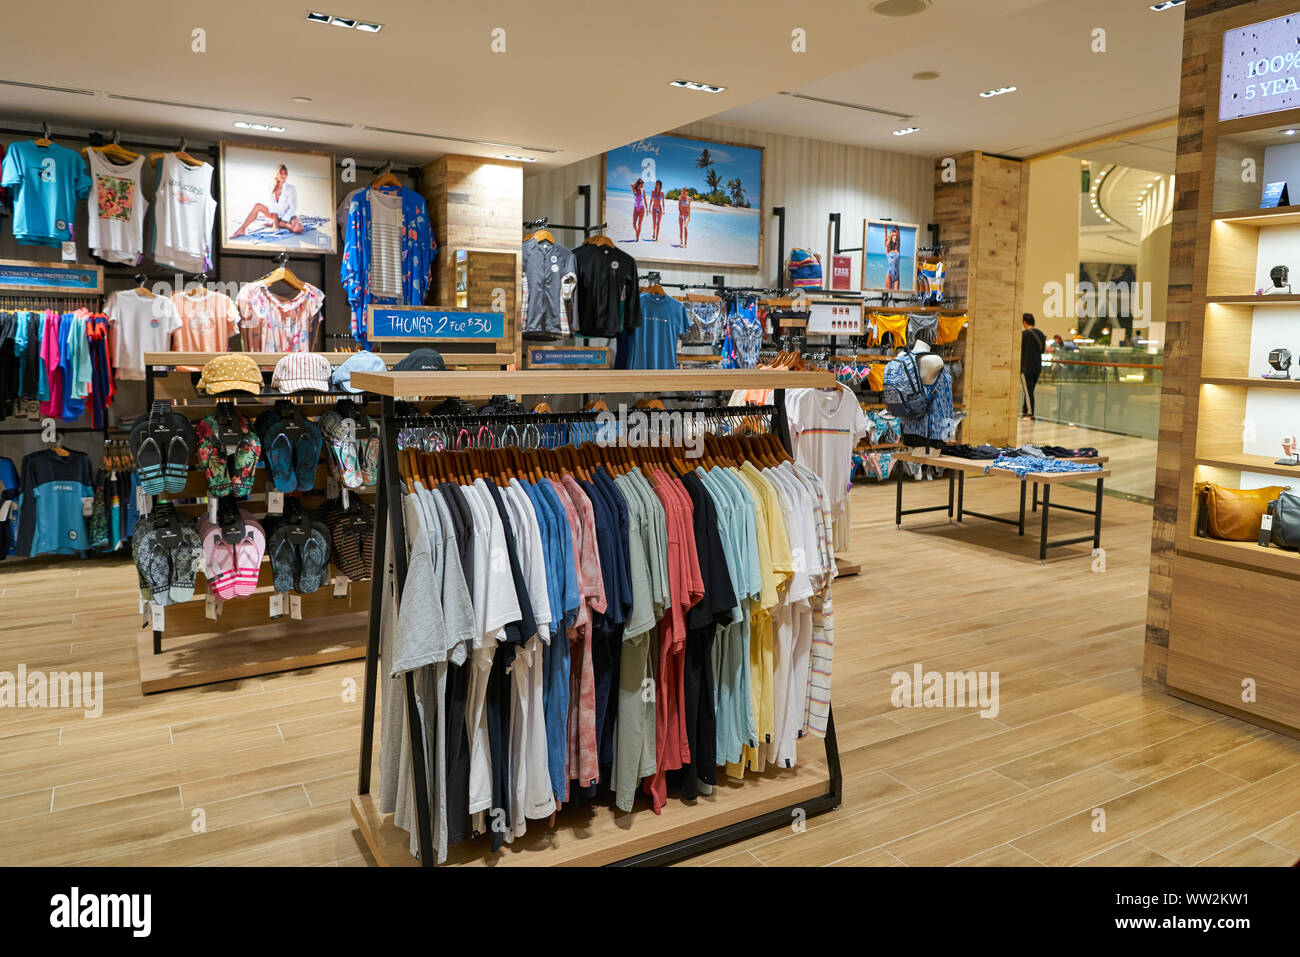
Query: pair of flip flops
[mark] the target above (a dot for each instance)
(233, 570)
(166, 564)
(354, 460)
(228, 474)
(161, 441)
(299, 548)
(291, 462)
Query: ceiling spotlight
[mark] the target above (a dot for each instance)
(346, 22)
(319, 17)
(302, 99)
(1166, 4)
(694, 85)
(926, 75)
(998, 92)
(900, 8)
(262, 127)
(904, 132)
(365, 27)
(1290, 132)
(519, 159)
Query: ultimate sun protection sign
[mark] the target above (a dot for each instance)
(1261, 68)
(407, 323)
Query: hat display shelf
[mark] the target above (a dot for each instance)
(243, 639)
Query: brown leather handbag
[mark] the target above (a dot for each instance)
(1233, 513)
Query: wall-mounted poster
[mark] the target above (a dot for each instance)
(275, 200)
(889, 257)
(677, 199)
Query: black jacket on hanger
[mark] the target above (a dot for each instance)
(606, 281)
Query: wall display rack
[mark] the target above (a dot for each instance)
(731, 813)
(1218, 609)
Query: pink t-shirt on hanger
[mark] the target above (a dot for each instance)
(208, 320)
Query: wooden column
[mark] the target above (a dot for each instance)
(981, 210)
(477, 206)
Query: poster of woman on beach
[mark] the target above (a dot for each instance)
(275, 200)
(676, 199)
(889, 258)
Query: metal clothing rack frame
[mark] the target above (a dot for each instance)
(389, 522)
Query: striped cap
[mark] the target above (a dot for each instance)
(234, 371)
(302, 370)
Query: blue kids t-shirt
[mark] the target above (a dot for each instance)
(653, 344)
(46, 182)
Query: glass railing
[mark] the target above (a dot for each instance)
(1102, 387)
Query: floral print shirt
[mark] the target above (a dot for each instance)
(419, 247)
(271, 323)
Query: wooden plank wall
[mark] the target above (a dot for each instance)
(475, 203)
(1204, 23)
(982, 217)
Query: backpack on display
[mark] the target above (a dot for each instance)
(905, 394)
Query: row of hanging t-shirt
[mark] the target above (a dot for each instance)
(47, 182)
(56, 364)
(535, 616)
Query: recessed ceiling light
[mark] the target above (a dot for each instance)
(900, 8)
(1166, 4)
(345, 22)
(904, 132)
(519, 159)
(263, 127)
(302, 99)
(926, 75)
(998, 92)
(366, 27)
(694, 85)
(319, 17)
(1289, 132)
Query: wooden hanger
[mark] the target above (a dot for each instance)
(543, 236)
(599, 241)
(386, 179)
(140, 286)
(114, 151)
(655, 290)
(282, 273)
(179, 153)
(44, 139)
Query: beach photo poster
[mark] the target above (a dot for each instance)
(888, 257)
(678, 199)
(276, 200)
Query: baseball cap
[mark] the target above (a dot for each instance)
(421, 360)
(302, 370)
(357, 362)
(232, 372)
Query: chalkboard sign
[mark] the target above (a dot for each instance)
(414, 323)
(21, 276)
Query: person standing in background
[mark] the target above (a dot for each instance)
(1032, 344)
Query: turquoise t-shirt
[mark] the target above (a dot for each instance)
(46, 181)
(653, 344)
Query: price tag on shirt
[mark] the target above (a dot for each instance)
(341, 587)
(277, 606)
(275, 503)
(70, 252)
(87, 505)
(157, 617)
(295, 607)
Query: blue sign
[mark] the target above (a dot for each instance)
(391, 323)
(1275, 195)
(596, 358)
(34, 277)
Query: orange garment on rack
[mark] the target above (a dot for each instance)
(876, 377)
(895, 324)
(950, 328)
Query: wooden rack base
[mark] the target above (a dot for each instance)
(224, 654)
(598, 835)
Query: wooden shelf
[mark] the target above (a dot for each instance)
(1278, 300)
(593, 835)
(540, 382)
(1265, 464)
(267, 360)
(1251, 382)
(1271, 559)
(1281, 216)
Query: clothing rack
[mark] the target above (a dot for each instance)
(707, 825)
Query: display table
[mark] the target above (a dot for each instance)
(955, 507)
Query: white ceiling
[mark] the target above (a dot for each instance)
(576, 77)
(1065, 92)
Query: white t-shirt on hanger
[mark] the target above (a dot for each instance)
(115, 209)
(144, 323)
(825, 426)
(184, 213)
